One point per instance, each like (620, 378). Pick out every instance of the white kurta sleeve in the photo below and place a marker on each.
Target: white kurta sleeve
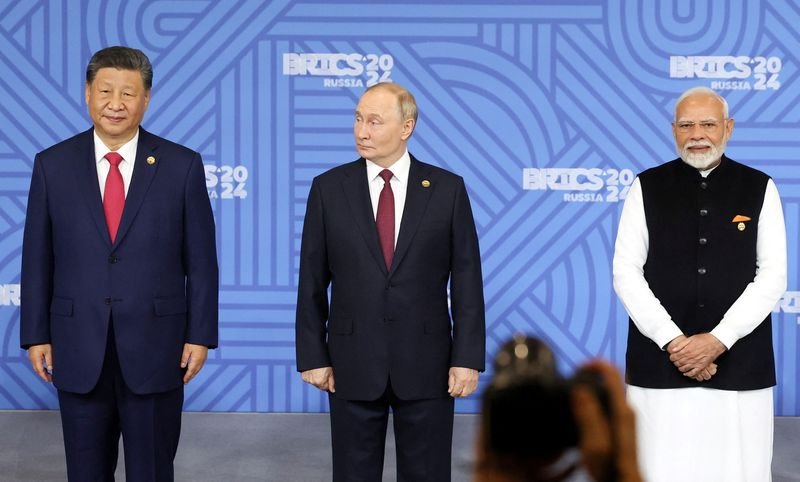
(630, 254)
(762, 294)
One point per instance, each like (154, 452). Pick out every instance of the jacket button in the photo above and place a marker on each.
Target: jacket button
(107, 301)
(702, 241)
(701, 271)
(704, 212)
(703, 185)
(113, 259)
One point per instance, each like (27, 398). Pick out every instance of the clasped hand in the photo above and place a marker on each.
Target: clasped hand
(694, 356)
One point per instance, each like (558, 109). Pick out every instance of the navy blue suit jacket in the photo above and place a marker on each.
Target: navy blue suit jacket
(158, 281)
(396, 323)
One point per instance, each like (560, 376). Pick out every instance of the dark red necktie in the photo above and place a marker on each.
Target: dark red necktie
(113, 194)
(385, 218)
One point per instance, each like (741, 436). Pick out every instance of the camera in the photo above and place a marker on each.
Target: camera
(528, 403)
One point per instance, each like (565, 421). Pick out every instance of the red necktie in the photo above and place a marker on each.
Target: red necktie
(113, 194)
(385, 218)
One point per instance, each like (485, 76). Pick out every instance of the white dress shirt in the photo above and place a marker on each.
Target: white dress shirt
(128, 153)
(745, 314)
(399, 183)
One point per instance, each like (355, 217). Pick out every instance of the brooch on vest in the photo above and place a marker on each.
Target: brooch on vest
(741, 220)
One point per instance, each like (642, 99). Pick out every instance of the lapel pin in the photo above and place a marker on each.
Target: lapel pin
(151, 160)
(426, 183)
(741, 219)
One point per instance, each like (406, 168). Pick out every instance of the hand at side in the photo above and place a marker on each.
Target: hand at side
(321, 378)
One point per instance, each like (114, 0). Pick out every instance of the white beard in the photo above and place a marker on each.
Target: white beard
(702, 161)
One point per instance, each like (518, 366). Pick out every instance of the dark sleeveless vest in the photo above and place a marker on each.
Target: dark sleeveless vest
(698, 263)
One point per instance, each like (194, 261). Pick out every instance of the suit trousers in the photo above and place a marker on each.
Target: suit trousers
(150, 426)
(423, 431)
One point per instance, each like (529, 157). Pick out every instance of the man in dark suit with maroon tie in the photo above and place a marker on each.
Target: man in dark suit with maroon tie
(119, 278)
(386, 233)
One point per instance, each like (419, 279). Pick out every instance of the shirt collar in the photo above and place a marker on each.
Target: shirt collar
(127, 150)
(399, 168)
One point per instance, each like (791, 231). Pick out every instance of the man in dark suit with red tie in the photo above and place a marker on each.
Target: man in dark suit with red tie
(119, 278)
(386, 233)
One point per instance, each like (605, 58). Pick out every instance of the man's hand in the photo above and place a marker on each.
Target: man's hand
(675, 342)
(696, 353)
(321, 378)
(462, 381)
(41, 357)
(706, 373)
(193, 359)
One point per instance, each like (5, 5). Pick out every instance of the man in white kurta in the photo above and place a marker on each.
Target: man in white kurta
(699, 264)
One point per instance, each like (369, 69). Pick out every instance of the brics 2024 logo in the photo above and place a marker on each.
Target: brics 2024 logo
(789, 303)
(226, 182)
(9, 295)
(729, 72)
(581, 184)
(339, 69)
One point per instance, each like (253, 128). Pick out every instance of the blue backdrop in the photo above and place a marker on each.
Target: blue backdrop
(548, 110)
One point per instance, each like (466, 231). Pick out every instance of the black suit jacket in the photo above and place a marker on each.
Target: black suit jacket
(390, 324)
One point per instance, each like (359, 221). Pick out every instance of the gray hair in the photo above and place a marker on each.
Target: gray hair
(406, 101)
(122, 58)
(702, 90)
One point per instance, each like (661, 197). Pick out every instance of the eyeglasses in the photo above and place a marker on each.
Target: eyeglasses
(708, 126)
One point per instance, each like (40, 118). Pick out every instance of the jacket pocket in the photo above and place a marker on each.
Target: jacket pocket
(61, 306)
(169, 306)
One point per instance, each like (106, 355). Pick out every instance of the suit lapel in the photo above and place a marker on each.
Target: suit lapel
(86, 179)
(417, 198)
(140, 181)
(356, 189)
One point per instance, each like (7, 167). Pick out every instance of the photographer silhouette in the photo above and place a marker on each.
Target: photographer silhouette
(538, 426)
